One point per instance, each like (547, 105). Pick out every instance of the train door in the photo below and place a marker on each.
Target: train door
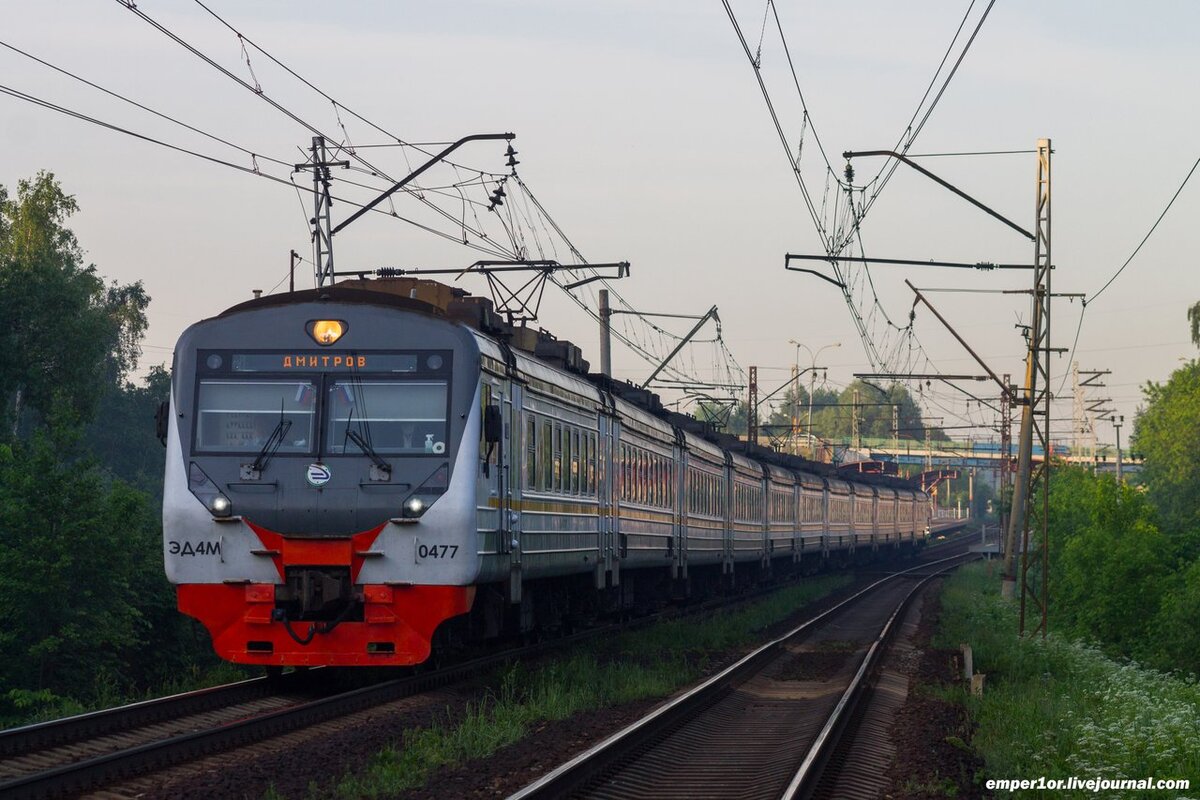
(679, 505)
(509, 482)
(497, 476)
(727, 513)
(607, 497)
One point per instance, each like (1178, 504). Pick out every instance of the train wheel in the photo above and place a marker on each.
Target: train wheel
(274, 676)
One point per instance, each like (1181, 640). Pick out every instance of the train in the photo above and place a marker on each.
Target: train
(363, 473)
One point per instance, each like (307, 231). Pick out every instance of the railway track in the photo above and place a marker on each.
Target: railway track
(766, 726)
(78, 754)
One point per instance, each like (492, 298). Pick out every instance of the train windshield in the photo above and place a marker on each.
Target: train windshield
(239, 416)
(406, 417)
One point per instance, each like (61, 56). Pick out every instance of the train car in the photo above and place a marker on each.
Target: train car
(747, 509)
(811, 513)
(863, 502)
(703, 464)
(645, 467)
(783, 530)
(839, 515)
(906, 517)
(352, 472)
(885, 516)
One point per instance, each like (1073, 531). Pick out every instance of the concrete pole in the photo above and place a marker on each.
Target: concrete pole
(795, 404)
(1117, 424)
(605, 334)
(812, 378)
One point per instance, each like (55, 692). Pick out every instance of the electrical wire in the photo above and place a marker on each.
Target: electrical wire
(336, 104)
(161, 115)
(1095, 295)
(1136, 250)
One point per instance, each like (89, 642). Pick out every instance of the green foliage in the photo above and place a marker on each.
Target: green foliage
(1176, 628)
(121, 436)
(833, 413)
(89, 618)
(1115, 577)
(69, 569)
(1058, 707)
(1167, 434)
(66, 335)
(1111, 570)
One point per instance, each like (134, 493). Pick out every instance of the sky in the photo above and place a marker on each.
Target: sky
(641, 129)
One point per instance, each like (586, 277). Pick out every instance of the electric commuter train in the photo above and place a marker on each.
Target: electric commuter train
(355, 470)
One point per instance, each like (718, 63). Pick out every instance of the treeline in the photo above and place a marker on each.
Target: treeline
(832, 413)
(88, 614)
(1125, 559)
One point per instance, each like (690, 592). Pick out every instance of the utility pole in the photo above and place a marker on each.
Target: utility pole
(1078, 416)
(1035, 403)
(605, 334)
(855, 435)
(323, 230)
(928, 451)
(896, 429)
(752, 408)
(970, 490)
(1091, 381)
(1005, 481)
(1117, 422)
(322, 225)
(796, 404)
(292, 259)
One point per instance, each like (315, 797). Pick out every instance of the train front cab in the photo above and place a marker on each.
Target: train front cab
(316, 493)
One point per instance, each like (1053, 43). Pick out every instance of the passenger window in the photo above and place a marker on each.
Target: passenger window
(575, 462)
(591, 464)
(557, 483)
(547, 451)
(530, 451)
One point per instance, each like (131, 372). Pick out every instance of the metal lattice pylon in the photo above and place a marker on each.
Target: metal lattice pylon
(1035, 420)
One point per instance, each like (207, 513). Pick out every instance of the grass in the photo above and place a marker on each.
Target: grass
(1059, 708)
(649, 663)
(25, 707)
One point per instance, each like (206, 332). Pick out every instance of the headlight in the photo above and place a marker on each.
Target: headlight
(220, 506)
(414, 507)
(326, 331)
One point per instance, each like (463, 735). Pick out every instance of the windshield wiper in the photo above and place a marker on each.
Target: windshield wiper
(272, 444)
(365, 446)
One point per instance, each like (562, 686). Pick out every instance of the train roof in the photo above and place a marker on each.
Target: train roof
(540, 354)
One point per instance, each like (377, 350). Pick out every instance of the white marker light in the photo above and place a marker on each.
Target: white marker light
(220, 506)
(414, 507)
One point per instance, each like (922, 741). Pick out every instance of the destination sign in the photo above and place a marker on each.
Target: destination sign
(322, 361)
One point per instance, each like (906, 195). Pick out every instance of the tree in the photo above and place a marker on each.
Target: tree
(1167, 434)
(82, 593)
(121, 437)
(1110, 564)
(1193, 314)
(832, 413)
(66, 335)
(1176, 634)
(72, 550)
